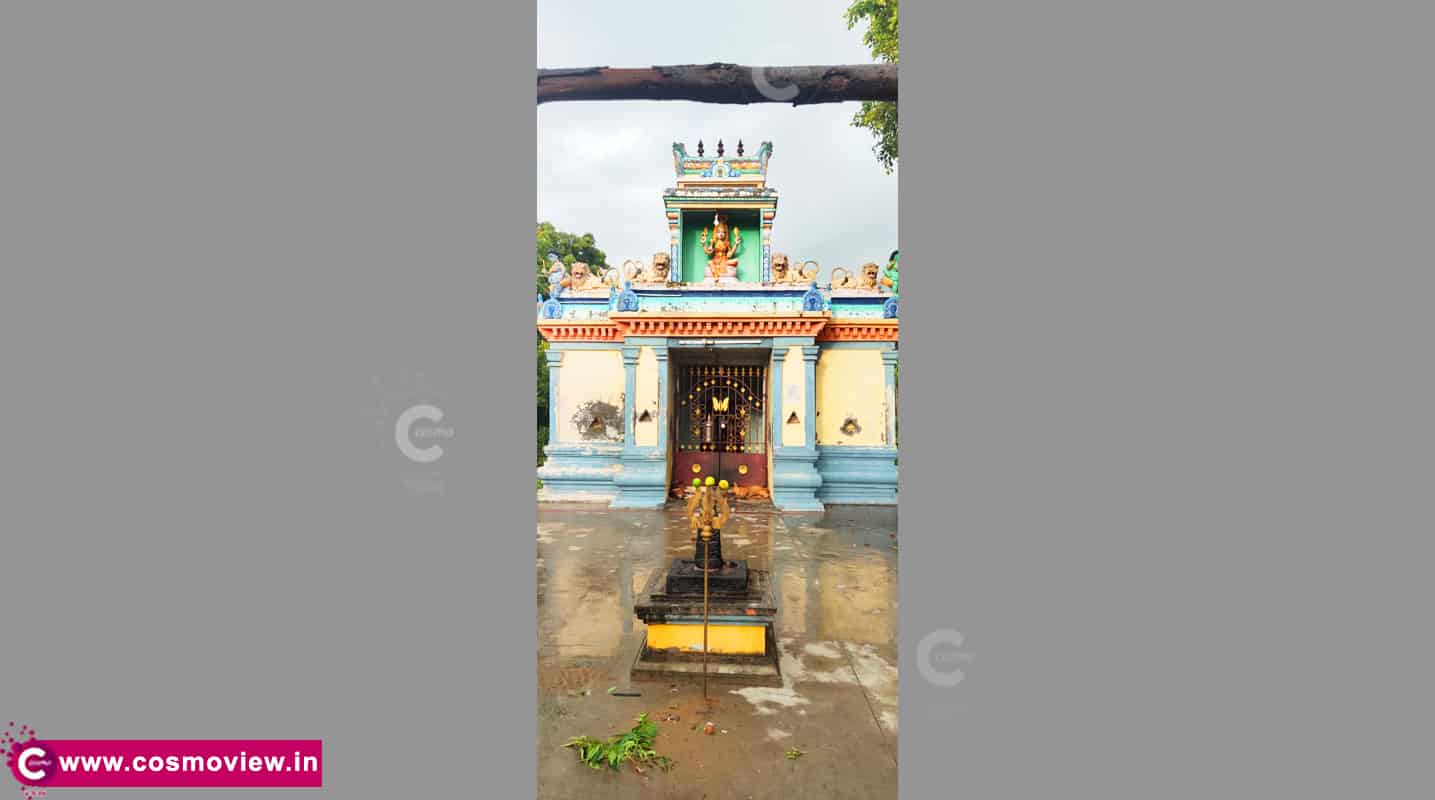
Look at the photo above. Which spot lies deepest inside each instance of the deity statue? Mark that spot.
(783, 272)
(556, 277)
(723, 251)
(889, 275)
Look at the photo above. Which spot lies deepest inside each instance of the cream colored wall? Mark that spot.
(645, 434)
(794, 398)
(585, 376)
(851, 383)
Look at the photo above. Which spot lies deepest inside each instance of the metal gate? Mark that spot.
(721, 423)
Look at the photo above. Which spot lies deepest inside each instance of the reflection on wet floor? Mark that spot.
(837, 572)
(836, 580)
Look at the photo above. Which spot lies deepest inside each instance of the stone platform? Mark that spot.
(685, 577)
(741, 642)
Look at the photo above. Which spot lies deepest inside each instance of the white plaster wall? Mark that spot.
(645, 434)
(794, 398)
(585, 376)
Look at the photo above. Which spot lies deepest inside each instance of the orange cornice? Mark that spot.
(709, 325)
(639, 323)
(859, 330)
(557, 330)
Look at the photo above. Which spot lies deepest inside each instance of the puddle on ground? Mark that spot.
(591, 563)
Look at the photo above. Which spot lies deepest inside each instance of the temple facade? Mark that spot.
(721, 357)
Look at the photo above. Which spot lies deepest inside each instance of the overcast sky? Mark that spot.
(603, 165)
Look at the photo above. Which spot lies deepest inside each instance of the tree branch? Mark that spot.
(722, 83)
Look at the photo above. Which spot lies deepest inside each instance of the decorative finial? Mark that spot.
(739, 148)
(700, 148)
(719, 148)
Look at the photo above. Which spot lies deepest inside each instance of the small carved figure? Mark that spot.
(580, 278)
(723, 250)
(654, 272)
(866, 279)
(889, 275)
(779, 267)
(661, 267)
(870, 276)
(782, 271)
(556, 277)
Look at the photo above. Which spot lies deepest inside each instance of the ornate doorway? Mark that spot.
(720, 420)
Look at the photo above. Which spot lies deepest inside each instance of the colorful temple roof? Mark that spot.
(720, 275)
(723, 169)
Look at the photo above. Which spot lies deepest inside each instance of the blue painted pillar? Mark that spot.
(809, 378)
(795, 479)
(641, 479)
(630, 391)
(675, 244)
(766, 275)
(555, 359)
(889, 369)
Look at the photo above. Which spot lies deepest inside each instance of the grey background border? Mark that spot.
(1168, 337)
(238, 239)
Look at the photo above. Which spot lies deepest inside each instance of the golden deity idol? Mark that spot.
(722, 250)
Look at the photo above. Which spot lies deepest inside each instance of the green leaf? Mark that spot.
(881, 38)
(634, 745)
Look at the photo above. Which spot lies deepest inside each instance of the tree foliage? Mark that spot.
(542, 397)
(881, 39)
(570, 247)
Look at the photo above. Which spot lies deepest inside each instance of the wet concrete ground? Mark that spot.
(837, 636)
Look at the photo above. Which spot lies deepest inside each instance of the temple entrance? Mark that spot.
(720, 419)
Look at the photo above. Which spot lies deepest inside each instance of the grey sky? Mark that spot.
(602, 166)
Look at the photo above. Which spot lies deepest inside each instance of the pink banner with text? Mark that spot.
(165, 763)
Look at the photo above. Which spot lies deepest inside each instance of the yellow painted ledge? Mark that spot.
(731, 639)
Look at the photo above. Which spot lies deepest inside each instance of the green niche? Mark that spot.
(749, 258)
